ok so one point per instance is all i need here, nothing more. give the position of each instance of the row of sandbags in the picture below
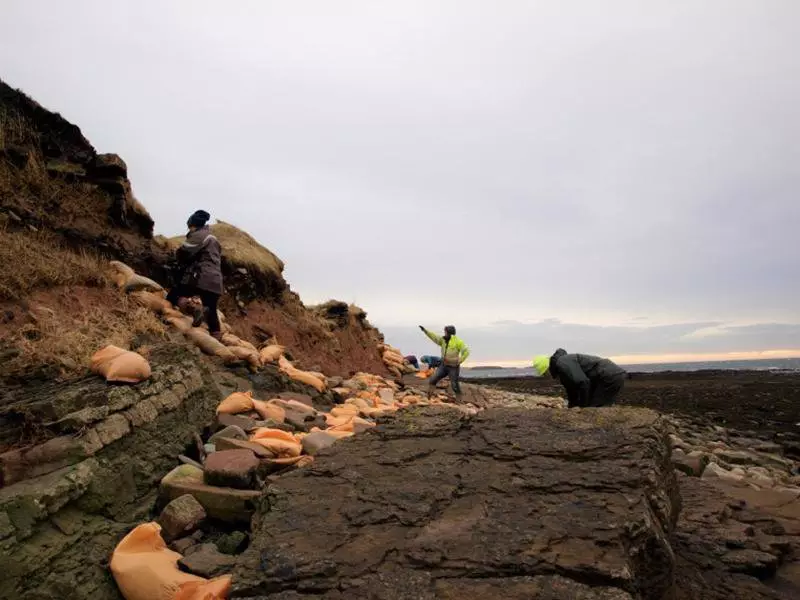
(283, 444)
(229, 347)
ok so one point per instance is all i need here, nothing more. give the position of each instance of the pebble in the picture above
(231, 468)
(231, 432)
(207, 561)
(181, 516)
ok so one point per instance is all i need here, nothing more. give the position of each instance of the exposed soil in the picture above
(762, 404)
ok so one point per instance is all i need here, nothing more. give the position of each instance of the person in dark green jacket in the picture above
(454, 353)
(589, 380)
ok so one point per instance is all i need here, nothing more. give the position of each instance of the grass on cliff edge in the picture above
(240, 249)
(63, 305)
(34, 260)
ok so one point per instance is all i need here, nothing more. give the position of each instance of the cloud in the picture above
(455, 161)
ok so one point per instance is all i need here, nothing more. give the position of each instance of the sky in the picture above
(616, 177)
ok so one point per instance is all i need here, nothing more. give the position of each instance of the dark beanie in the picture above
(450, 330)
(199, 218)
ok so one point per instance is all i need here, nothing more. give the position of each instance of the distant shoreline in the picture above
(789, 365)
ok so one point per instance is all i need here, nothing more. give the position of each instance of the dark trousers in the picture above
(605, 391)
(209, 300)
(446, 371)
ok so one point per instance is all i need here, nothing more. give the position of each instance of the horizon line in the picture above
(645, 359)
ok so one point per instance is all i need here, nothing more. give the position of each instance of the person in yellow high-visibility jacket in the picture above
(454, 353)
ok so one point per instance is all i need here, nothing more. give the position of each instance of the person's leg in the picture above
(440, 374)
(455, 374)
(606, 392)
(210, 301)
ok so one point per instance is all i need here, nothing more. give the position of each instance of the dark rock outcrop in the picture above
(57, 530)
(509, 504)
(732, 541)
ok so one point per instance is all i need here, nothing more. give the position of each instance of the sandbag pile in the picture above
(394, 360)
(120, 366)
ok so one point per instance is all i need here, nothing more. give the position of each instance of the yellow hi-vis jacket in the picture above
(454, 350)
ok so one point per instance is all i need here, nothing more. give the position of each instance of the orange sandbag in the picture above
(307, 378)
(105, 355)
(412, 399)
(145, 569)
(332, 421)
(294, 405)
(121, 272)
(118, 365)
(268, 432)
(344, 410)
(284, 364)
(152, 301)
(232, 340)
(269, 354)
(334, 432)
(269, 411)
(237, 402)
(359, 402)
(213, 589)
(247, 355)
(179, 322)
(209, 345)
(279, 447)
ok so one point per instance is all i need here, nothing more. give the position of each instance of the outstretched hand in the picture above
(422, 328)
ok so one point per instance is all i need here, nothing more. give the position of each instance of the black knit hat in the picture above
(198, 219)
(450, 330)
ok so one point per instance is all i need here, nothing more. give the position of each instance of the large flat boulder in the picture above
(506, 504)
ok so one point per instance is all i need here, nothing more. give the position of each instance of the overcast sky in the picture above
(617, 177)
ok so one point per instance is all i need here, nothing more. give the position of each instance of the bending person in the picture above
(200, 257)
(454, 353)
(588, 380)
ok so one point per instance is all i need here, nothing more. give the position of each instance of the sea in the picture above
(772, 364)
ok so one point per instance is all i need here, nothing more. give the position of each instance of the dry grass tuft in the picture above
(67, 342)
(34, 260)
(241, 249)
(14, 129)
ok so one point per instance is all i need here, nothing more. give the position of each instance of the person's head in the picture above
(449, 331)
(541, 364)
(198, 220)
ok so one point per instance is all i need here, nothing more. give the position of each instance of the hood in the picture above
(553, 359)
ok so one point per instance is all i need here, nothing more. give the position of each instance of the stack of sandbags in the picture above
(242, 349)
(394, 360)
(127, 279)
(145, 569)
(120, 366)
(281, 444)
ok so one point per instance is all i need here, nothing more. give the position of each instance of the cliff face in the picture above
(65, 209)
